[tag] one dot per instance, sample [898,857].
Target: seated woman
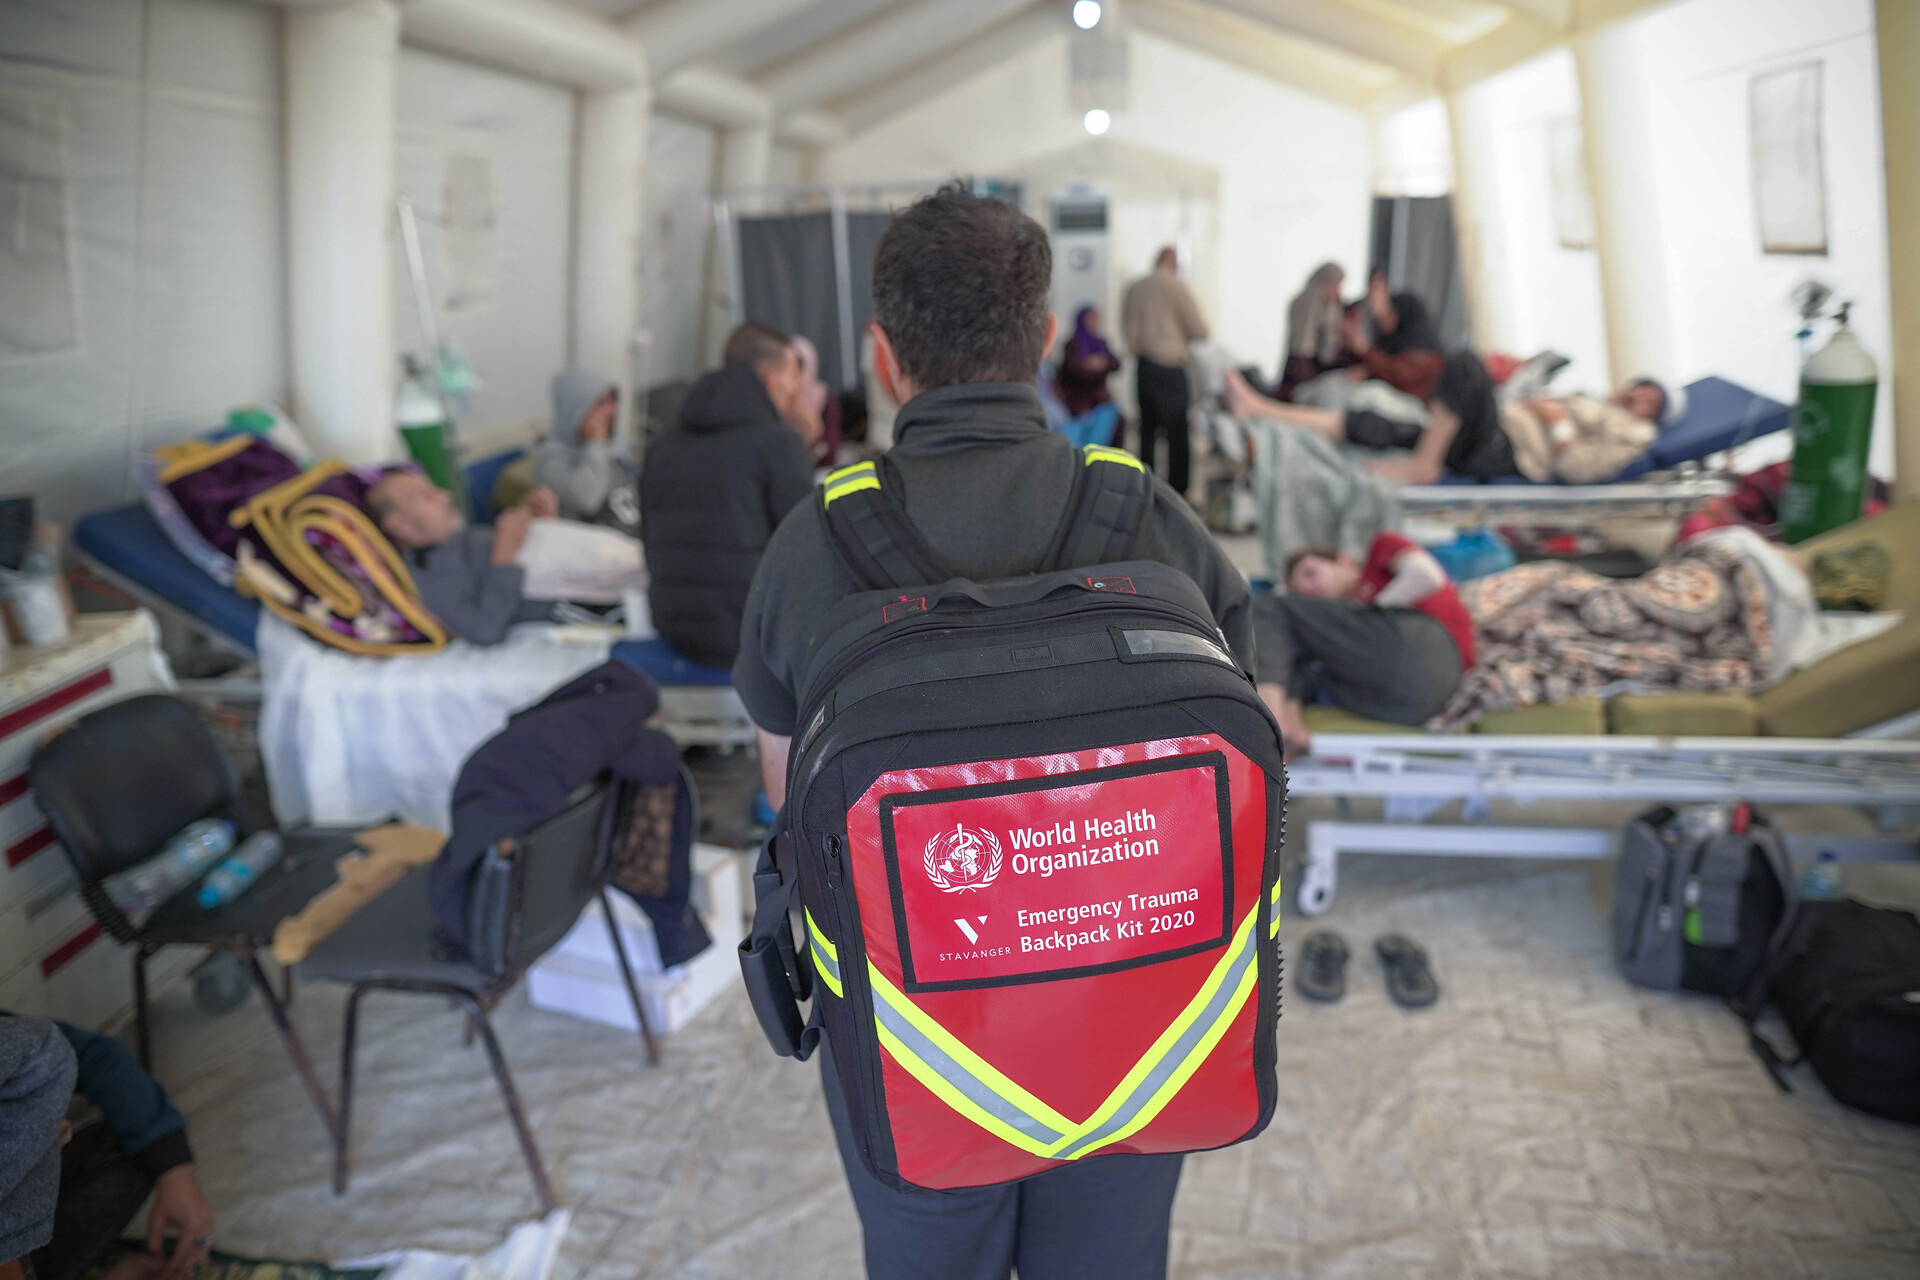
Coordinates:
[1403,350]
[1316,319]
[1580,440]
[1461,431]
[1086,362]
[1388,640]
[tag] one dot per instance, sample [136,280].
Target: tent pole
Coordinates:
[1897,24]
[606,240]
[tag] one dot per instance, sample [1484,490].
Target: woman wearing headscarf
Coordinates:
[1085,365]
[1404,347]
[1315,342]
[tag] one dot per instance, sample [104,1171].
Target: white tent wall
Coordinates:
[1412,152]
[676,241]
[1535,293]
[1294,170]
[787,165]
[155,125]
[487,159]
[1730,314]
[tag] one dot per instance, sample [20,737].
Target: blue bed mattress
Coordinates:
[1720,415]
[130,543]
[659,659]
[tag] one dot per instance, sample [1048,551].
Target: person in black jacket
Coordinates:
[713,490]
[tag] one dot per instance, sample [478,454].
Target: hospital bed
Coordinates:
[1844,731]
[1719,416]
[127,548]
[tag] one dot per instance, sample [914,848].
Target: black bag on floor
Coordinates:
[1695,907]
[1846,979]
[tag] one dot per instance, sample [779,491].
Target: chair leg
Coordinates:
[286,985]
[143,1034]
[532,1153]
[291,1039]
[633,987]
[348,1036]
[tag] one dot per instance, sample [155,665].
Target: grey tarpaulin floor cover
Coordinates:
[1544,1120]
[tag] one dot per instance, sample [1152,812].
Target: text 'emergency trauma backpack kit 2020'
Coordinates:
[1034,829]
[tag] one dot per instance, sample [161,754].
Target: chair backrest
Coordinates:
[520,903]
[117,783]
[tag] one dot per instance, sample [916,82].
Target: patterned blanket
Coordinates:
[1548,632]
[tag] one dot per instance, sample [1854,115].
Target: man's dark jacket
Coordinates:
[524,774]
[712,492]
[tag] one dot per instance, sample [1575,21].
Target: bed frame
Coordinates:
[1532,504]
[1418,775]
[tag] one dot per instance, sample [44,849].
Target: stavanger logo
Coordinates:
[962,859]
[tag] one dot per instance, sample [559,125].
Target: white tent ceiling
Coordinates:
[845,62]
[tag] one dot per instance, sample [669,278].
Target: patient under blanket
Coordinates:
[1702,620]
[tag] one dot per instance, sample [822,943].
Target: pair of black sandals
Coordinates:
[1322,972]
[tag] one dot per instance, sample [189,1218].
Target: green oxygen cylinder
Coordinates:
[1832,429]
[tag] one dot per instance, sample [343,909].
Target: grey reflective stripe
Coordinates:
[1176,1054]
[826,963]
[957,1076]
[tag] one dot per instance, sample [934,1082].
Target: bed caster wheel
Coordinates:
[1315,893]
[219,983]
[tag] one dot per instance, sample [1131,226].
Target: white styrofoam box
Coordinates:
[581,977]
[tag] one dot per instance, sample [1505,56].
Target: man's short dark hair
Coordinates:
[960,284]
[757,343]
[1330,554]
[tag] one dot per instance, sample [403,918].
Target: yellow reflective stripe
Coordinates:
[838,484]
[826,944]
[1104,453]
[975,1066]
[1026,1108]
[1274,929]
[826,957]
[1154,1058]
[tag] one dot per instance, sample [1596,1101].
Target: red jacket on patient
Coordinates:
[1442,605]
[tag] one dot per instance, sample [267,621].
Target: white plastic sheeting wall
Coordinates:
[1294,170]
[487,159]
[675,242]
[1729,300]
[164,123]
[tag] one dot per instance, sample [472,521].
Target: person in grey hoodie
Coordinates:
[579,462]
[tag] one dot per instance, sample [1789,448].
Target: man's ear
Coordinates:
[1053,331]
[886,363]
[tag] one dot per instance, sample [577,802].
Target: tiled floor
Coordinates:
[1543,1120]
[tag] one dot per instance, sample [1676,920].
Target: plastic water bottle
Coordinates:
[1822,882]
[138,890]
[236,875]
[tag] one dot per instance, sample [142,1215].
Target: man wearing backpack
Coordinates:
[960,288]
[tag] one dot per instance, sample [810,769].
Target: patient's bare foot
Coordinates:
[1238,396]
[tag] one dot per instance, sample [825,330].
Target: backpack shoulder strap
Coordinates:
[1112,494]
[869,528]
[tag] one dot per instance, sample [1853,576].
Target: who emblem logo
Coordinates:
[962,859]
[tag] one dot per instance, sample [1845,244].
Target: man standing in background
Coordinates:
[1160,321]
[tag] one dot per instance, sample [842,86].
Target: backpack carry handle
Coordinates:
[769,966]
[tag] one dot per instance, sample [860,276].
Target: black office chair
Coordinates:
[524,897]
[116,785]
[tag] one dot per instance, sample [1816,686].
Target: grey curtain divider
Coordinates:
[788,278]
[1413,241]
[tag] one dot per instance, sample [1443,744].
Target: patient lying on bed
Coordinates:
[1579,439]
[479,580]
[1387,640]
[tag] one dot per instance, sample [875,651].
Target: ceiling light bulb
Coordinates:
[1097,121]
[1086,14]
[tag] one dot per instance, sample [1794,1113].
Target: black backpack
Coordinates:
[1033,833]
[1846,980]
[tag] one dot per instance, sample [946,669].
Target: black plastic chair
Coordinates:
[116,785]
[524,897]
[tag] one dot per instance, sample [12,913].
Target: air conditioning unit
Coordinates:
[1079,228]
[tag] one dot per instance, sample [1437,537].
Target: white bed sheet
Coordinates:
[350,740]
